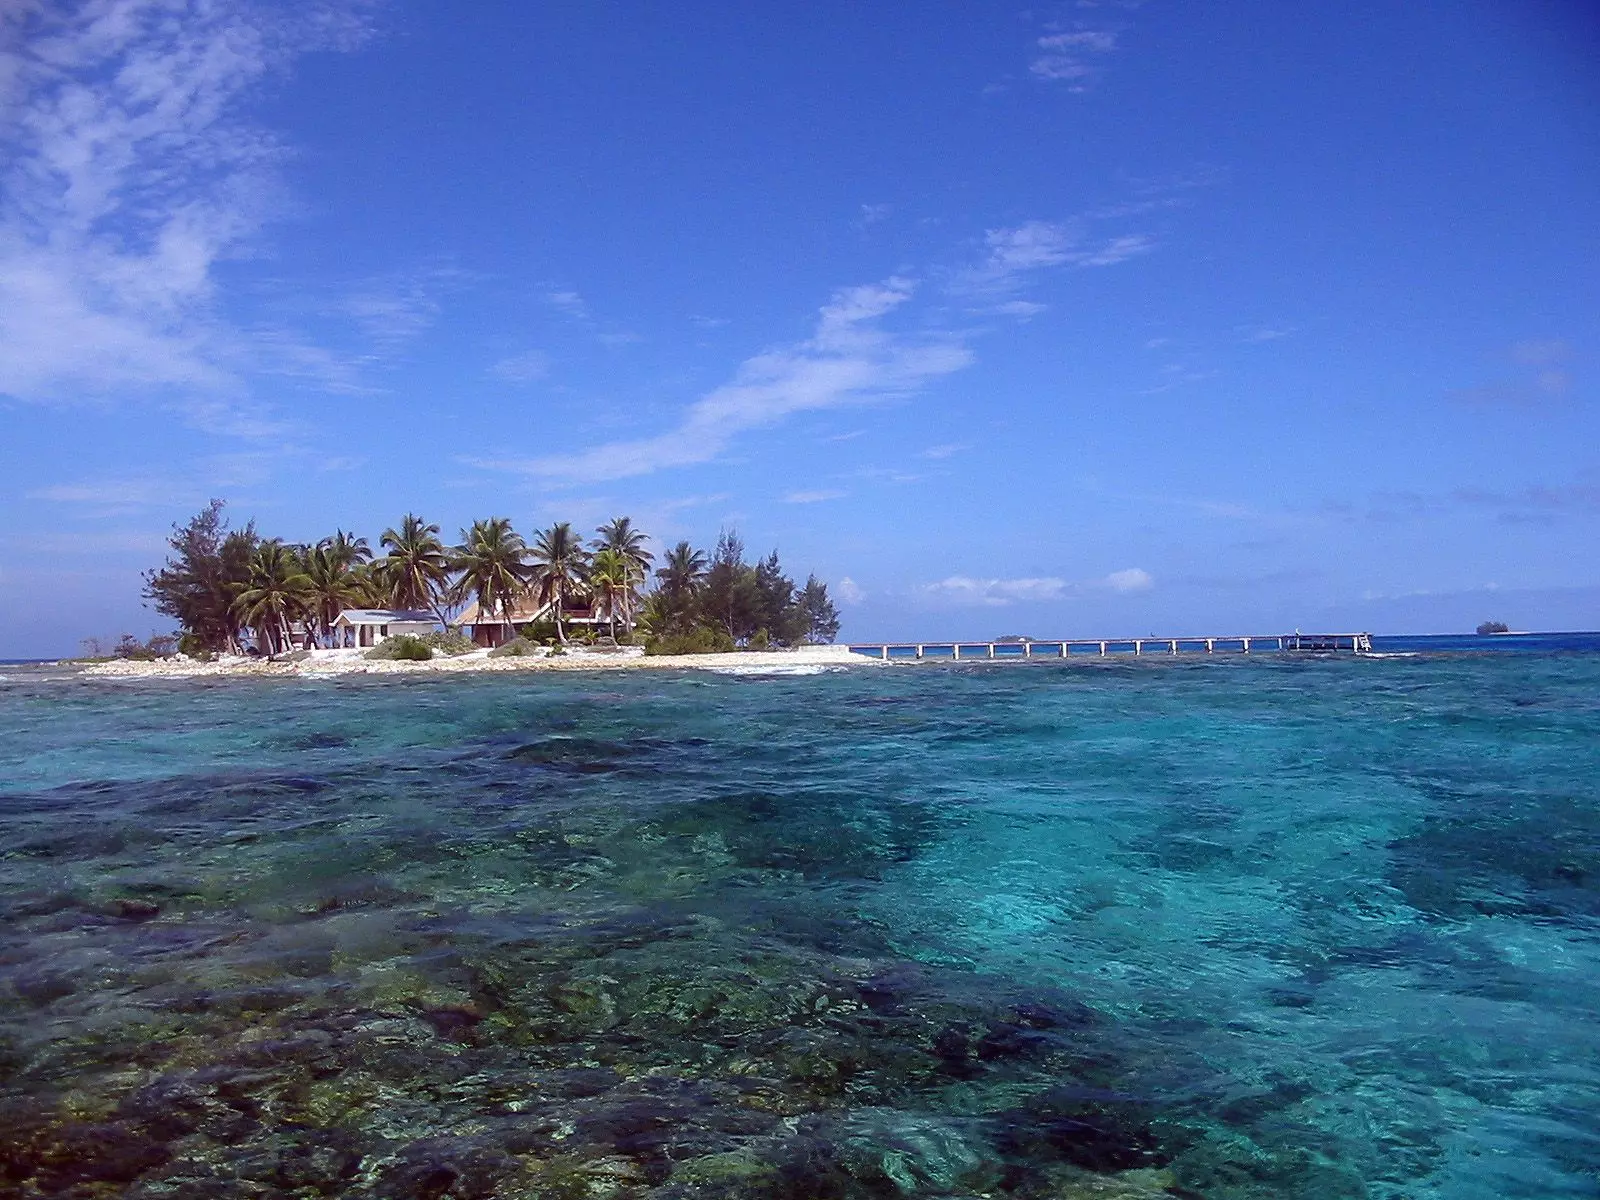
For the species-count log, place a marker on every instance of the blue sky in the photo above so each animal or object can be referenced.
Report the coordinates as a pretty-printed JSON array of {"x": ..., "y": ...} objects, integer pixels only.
[{"x": 1096, "y": 318}]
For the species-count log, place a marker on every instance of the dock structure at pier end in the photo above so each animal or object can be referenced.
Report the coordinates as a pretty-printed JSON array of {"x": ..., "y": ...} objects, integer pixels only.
[{"x": 1047, "y": 648}]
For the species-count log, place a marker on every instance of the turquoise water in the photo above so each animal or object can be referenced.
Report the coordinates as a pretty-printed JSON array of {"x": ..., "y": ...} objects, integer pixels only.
[{"x": 1196, "y": 927}]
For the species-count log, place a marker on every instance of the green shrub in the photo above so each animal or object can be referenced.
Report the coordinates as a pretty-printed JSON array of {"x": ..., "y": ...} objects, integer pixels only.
[
  {"x": 760, "y": 640},
  {"x": 131, "y": 647},
  {"x": 195, "y": 647},
  {"x": 541, "y": 633},
  {"x": 517, "y": 647},
  {"x": 402, "y": 647},
  {"x": 696, "y": 641},
  {"x": 451, "y": 641}
]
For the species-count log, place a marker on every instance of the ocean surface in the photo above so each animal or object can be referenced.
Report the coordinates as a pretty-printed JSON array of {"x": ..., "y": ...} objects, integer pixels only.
[{"x": 1208, "y": 927}]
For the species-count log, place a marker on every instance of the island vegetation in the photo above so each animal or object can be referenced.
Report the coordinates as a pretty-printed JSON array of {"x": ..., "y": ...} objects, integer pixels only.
[
  {"x": 234, "y": 590},
  {"x": 1489, "y": 627}
]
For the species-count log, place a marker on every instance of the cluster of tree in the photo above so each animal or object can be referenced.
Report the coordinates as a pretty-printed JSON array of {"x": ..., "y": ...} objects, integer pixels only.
[
  {"x": 158, "y": 645},
  {"x": 229, "y": 586},
  {"x": 746, "y": 605},
  {"x": 1494, "y": 627}
]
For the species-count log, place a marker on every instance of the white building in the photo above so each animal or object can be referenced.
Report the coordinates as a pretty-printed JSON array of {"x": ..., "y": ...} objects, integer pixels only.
[{"x": 360, "y": 627}]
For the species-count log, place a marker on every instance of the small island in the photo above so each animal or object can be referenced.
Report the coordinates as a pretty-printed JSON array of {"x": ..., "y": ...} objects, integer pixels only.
[
  {"x": 1489, "y": 627},
  {"x": 245, "y": 601}
]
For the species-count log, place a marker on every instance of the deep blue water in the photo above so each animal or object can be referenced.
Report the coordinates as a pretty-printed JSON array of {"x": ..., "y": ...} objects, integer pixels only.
[
  {"x": 1217, "y": 927},
  {"x": 1473, "y": 643}
]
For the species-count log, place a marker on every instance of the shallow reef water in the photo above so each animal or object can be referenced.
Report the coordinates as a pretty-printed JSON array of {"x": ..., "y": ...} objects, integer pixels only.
[{"x": 1316, "y": 928}]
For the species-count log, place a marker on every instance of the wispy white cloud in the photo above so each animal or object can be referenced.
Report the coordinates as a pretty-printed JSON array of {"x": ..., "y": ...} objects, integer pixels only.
[
  {"x": 127, "y": 492},
  {"x": 1263, "y": 333},
  {"x": 1134, "y": 579},
  {"x": 1543, "y": 387},
  {"x": 1072, "y": 57},
  {"x": 815, "y": 496},
  {"x": 994, "y": 593},
  {"x": 848, "y": 591},
  {"x": 121, "y": 492},
  {"x": 1014, "y": 253},
  {"x": 1533, "y": 504},
  {"x": 129, "y": 175},
  {"x": 1541, "y": 352},
  {"x": 871, "y": 214},
  {"x": 396, "y": 309},
  {"x": 1019, "y": 308},
  {"x": 569, "y": 302},
  {"x": 1030, "y": 245},
  {"x": 1198, "y": 505},
  {"x": 947, "y": 450},
  {"x": 965, "y": 590},
  {"x": 527, "y": 367},
  {"x": 1548, "y": 378},
  {"x": 1116, "y": 250},
  {"x": 893, "y": 475},
  {"x": 341, "y": 462},
  {"x": 86, "y": 544},
  {"x": 849, "y": 359}
]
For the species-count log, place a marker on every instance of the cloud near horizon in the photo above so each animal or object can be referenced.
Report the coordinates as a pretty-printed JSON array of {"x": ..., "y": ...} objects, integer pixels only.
[
  {"x": 994, "y": 593},
  {"x": 997, "y": 593}
]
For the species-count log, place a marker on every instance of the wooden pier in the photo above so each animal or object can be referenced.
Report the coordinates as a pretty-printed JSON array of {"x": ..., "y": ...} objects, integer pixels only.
[{"x": 1044, "y": 648}]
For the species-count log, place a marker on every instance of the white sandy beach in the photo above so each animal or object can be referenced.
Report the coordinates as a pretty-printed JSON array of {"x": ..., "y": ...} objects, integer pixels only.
[{"x": 804, "y": 660}]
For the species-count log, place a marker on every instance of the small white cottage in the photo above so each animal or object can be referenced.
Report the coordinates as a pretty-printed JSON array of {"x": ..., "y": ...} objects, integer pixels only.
[{"x": 361, "y": 627}]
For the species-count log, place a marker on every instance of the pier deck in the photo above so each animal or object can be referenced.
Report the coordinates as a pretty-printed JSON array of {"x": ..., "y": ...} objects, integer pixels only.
[{"x": 1288, "y": 643}]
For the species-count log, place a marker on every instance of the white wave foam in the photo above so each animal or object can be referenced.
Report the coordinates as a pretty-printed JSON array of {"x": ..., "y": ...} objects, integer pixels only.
[{"x": 775, "y": 669}]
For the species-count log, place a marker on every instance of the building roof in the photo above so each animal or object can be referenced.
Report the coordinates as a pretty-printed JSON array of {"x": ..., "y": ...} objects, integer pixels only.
[
  {"x": 386, "y": 616},
  {"x": 526, "y": 609}
]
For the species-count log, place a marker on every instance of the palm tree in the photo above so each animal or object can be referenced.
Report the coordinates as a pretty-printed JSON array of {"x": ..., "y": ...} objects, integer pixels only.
[
  {"x": 559, "y": 565},
  {"x": 611, "y": 580},
  {"x": 278, "y": 592},
  {"x": 347, "y": 549},
  {"x": 416, "y": 569},
  {"x": 678, "y": 580},
  {"x": 681, "y": 571},
  {"x": 332, "y": 585},
  {"x": 621, "y": 538},
  {"x": 491, "y": 563}
]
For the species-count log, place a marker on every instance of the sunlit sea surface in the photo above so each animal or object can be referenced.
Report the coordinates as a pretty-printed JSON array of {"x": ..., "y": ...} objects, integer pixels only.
[{"x": 1215, "y": 927}]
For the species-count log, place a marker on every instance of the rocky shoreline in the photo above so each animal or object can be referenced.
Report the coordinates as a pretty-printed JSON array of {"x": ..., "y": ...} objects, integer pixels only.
[{"x": 322, "y": 663}]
